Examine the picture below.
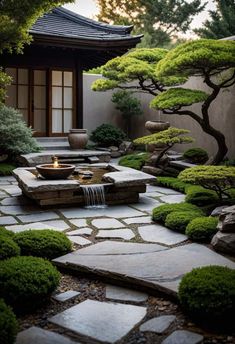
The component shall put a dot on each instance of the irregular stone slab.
(142, 219)
(146, 204)
(228, 223)
(153, 194)
(183, 337)
(19, 209)
(2, 194)
(67, 295)
(34, 225)
(79, 240)
(13, 190)
(149, 265)
(58, 225)
(158, 325)
(173, 198)
(217, 211)
(124, 233)
(111, 211)
(123, 294)
(161, 235)
(7, 220)
(107, 223)
(224, 242)
(16, 200)
(81, 231)
(103, 321)
(36, 335)
(161, 190)
(79, 222)
(39, 217)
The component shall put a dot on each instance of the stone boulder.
(224, 242)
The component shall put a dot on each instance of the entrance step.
(53, 143)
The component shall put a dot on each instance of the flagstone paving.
(67, 295)
(152, 260)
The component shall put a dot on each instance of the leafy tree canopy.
(222, 21)
(159, 20)
(168, 137)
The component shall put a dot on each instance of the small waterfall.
(94, 195)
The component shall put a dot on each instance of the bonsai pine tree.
(168, 138)
(212, 60)
(128, 105)
(217, 178)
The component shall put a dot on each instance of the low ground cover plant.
(196, 155)
(178, 220)
(208, 294)
(135, 161)
(107, 135)
(8, 324)
(160, 213)
(43, 243)
(202, 228)
(4, 231)
(27, 282)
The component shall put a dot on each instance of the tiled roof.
(63, 23)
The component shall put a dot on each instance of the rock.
(79, 240)
(113, 149)
(218, 211)
(224, 242)
(123, 294)
(158, 325)
(126, 146)
(115, 154)
(183, 337)
(173, 198)
(152, 170)
(228, 210)
(103, 321)
(228, 223)
(67, 295)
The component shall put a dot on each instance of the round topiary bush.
(196, 155)
(200, 196)
(160, 213)
(45, 243)
(107, 135)
(178, 220)
(8, 324)
(27, 282)
(202, 228)
(8, 248)
(4, 231)
(208, 293)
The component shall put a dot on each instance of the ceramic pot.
(156, 126)
(78, 138)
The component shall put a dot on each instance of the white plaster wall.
(99, 109)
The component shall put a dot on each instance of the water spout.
(94, 195)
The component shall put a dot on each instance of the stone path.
(121, 243)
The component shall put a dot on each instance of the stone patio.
(124, 245)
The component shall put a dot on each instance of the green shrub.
(202, 228)
(107, 135)
(6, 169)
(8, 324)
(17, 136)
(160, 213)
(208, 293)
(135, 161)
(200, 196)
(178, 220)
(43, 243)
(171, 182)
(196, 155)
(27, 282)
(4, 231)
(8, 248)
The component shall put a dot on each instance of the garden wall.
(99, 109)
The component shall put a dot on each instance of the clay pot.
(78, 138)
(156, 126)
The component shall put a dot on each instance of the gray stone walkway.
(118, 242)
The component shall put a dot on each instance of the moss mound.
(8, 248)
(196, 155)
(202, 228)
(200, 196)
(208, 293)
(160, 213)
(27, 282)
(135, 161)
(43, 243)
(178, 220)
(8, 324)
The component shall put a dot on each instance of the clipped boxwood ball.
(196, 155)
(8, 248)
(45, 243)
(160, 213)
(200, 196)
(27, 282)
(8, 324)
(208, 293)
(178, 220)
(4, 231)
(202, 228)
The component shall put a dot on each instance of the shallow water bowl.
(48, 171)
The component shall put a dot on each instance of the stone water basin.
(122, 185)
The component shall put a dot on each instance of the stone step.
(52, 139)
(180, 164)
